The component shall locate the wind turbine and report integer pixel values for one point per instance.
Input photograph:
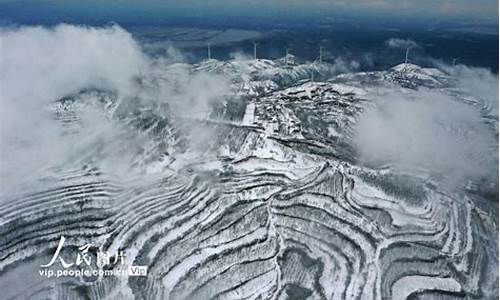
(209, 53)
(254, 50)
(407, 53)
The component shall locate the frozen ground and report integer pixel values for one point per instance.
(268, 193)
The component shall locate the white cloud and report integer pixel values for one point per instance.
(428, 130)
(479, 82)
(340, 65)
(240, 56)
(401, 43)
(54, 62)
(40, 65)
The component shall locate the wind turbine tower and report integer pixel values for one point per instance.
(254, 50)
(209, 53)
(407, 53)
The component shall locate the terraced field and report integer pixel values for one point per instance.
(271, 204)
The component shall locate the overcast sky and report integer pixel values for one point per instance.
(470, 9)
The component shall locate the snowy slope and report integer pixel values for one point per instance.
(263, 197)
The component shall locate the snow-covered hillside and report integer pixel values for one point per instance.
(262, 192)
